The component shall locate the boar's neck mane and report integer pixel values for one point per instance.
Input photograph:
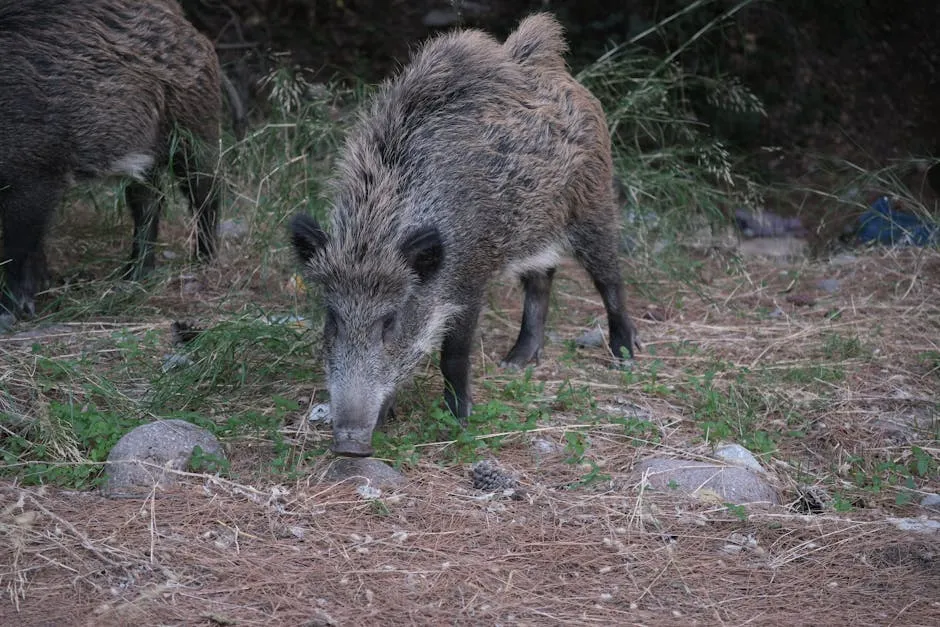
(385, 184)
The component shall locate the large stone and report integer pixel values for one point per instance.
(363, 471)
(730, 483)
(739, 456)
(147, 456)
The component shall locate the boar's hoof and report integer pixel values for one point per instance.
(351, 448)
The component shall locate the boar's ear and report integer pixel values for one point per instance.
(424, 251)
(307, 236)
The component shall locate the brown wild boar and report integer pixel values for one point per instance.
(90, 88)
(479, 157)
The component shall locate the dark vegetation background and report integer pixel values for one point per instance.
(852, 78)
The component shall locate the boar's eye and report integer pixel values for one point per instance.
(388, 326)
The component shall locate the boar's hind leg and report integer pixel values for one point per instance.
(596, 247)
(455, 363)
(528, 346)
(193, 170)
(145, 202)
(26, 211)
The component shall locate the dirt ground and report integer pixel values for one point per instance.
(216, 551)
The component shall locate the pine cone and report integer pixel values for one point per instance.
(488, 477)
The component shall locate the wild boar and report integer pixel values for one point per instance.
(479, 157)
(90, 88)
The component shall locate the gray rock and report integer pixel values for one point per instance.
(739, 456)
(364, 471)
(544, 446)
(7, 322)
(232, 229)
(320, 414)
(190, 284)
(175, 360)
(592, 338)
(830, 286)
(767, 224)
(916, 525)
(844, 259)
(626, 409)
(931, 501)
(730, 483)
(778, 249)
(142, 458)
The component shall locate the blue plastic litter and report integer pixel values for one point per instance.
(884, 225)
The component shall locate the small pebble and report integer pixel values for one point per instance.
(592, 338)
(171, 362)
(843, 259)
(830, 286)
(320, 413)
(545, 446)
(917, 525)
(231, 229)
(368, 492)
(931, 501)
(190, 285)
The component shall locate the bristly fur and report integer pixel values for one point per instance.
(497, 150)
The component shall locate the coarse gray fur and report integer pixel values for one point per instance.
(91, 88)
(478, 158)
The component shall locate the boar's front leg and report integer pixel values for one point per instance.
(455, 363)
(25, 210)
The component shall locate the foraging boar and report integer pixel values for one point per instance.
(478, 158)
(90, 88)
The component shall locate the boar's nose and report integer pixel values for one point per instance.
(345, 443)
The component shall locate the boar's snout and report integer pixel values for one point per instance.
(357, 414)
(346, 443)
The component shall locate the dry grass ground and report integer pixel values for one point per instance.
(217, 554)
(832, 390)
